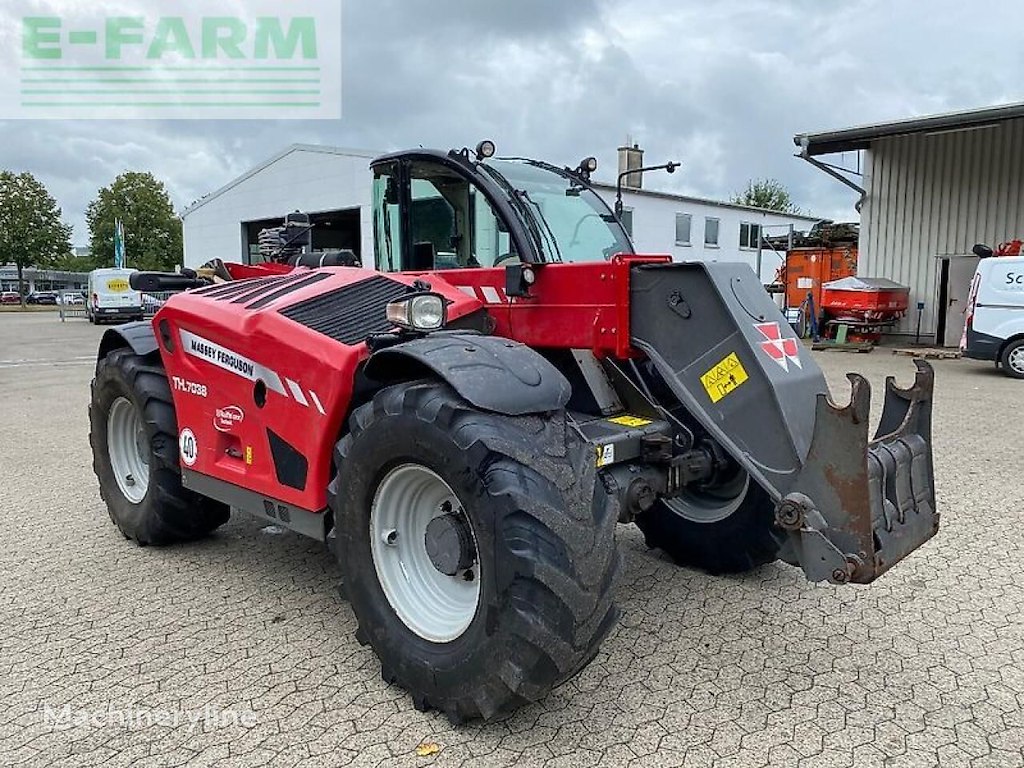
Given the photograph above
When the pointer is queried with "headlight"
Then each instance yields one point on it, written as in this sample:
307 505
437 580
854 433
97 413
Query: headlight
422 312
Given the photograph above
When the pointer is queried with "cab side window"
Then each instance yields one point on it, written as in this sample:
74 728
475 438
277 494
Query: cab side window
435 224
387 219
450 223
492 243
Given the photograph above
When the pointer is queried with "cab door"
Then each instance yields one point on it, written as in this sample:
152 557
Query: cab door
429 216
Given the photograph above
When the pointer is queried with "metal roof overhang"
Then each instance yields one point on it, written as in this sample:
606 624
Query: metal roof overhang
860 137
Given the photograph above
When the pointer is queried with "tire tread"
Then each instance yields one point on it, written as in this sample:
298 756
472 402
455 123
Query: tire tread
170 512
562 553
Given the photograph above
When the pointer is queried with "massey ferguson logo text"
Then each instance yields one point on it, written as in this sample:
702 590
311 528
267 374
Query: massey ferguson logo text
780 349
201 348
223 358
230 360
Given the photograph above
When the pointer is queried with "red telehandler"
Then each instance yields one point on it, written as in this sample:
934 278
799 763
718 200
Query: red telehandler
465 425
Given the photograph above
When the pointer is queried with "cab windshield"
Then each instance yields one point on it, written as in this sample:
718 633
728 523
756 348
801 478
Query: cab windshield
569 221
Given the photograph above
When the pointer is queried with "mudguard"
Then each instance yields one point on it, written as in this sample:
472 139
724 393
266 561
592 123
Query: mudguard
492 373
139 336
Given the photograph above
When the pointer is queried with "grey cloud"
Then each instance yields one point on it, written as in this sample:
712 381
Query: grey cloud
720 86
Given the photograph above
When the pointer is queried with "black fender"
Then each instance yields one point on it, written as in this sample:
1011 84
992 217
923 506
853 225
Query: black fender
139 336
491 373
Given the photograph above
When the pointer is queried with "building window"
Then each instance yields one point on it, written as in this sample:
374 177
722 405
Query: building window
750 234
711 232
683 221
627 221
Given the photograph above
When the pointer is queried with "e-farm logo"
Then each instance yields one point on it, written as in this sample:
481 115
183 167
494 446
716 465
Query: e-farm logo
234 59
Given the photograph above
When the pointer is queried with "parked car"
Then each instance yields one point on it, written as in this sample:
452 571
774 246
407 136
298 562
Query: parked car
42 297
994 329
10 297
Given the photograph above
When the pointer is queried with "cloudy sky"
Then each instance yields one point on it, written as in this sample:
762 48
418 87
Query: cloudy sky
720 85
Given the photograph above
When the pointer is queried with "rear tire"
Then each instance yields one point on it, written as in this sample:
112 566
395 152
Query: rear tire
739 541
1013 359
134 439
543 551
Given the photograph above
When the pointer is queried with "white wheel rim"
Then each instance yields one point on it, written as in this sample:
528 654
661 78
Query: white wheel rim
126 447
435 606
1016 359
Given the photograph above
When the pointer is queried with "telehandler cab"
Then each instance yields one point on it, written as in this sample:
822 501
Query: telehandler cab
465 425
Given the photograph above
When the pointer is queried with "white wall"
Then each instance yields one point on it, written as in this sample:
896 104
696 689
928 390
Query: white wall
311 181
654 229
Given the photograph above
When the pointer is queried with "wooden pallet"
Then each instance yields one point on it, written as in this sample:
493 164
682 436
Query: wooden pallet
928 353
847 346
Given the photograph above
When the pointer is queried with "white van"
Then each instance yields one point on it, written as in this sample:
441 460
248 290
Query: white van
111 298
995 314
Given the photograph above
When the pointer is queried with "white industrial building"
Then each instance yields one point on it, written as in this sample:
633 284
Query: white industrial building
931 188
333 185
38 279
691 228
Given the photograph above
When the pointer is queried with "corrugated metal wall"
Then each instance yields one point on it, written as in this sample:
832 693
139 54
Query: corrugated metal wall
932 196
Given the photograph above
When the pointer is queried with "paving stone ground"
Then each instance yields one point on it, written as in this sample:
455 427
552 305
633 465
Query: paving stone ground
924 667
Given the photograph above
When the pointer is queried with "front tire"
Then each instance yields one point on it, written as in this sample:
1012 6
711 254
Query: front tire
1013 359
736 536
537 559
134 439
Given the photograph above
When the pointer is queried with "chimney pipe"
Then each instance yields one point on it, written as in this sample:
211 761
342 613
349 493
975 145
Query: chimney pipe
631 157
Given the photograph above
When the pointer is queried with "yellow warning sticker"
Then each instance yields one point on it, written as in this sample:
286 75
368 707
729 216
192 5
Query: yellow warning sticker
630 421
724 378
605 455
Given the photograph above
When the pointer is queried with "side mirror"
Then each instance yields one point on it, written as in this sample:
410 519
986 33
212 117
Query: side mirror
982 251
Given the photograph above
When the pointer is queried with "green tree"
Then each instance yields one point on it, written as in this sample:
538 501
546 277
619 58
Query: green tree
72 262
31 231
767 193
151 227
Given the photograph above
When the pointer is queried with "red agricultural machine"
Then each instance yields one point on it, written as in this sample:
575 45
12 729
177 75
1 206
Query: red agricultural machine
465 426
867 306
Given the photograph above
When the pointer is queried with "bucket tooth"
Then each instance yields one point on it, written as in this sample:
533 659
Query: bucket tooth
868 504
860 399
902 405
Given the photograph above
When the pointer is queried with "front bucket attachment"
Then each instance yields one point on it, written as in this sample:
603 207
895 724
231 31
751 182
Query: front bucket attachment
852 507
856 508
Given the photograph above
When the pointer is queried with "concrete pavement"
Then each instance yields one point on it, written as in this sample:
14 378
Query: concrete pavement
242 646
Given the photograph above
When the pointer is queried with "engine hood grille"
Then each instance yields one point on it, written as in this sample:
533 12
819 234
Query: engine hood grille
349 314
